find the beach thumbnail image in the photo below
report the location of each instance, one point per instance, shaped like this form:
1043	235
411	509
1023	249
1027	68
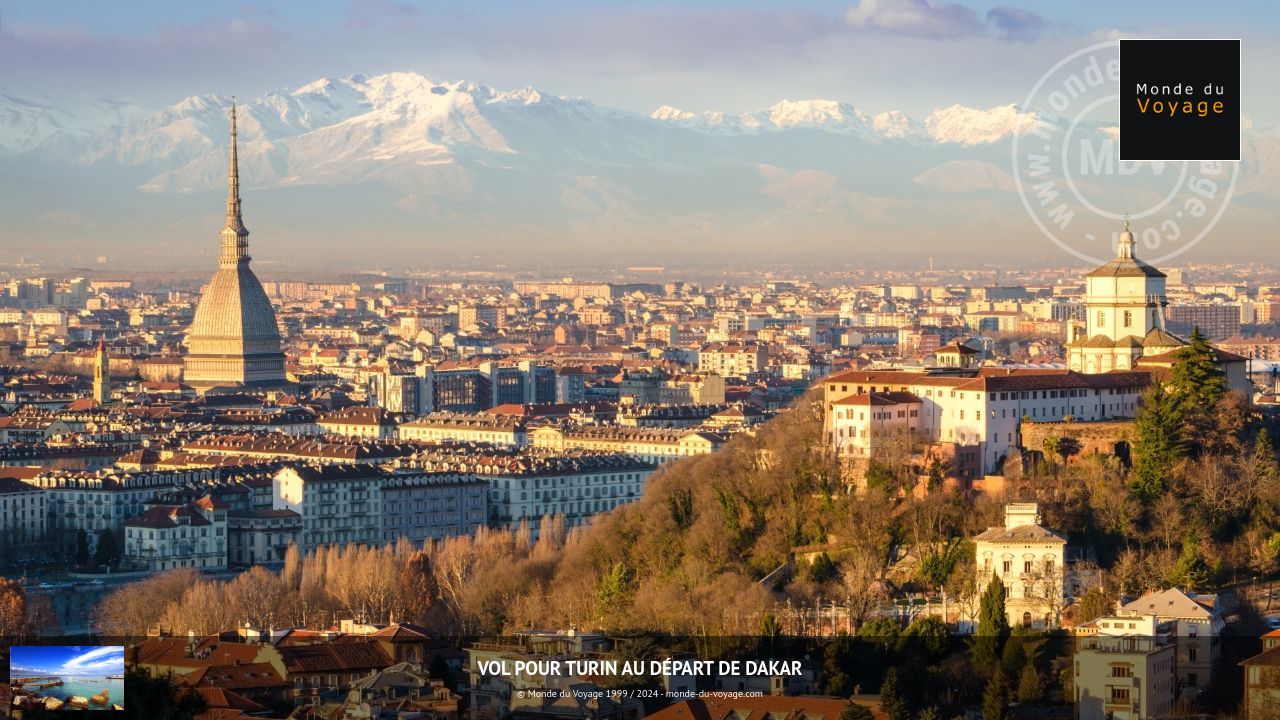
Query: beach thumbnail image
65	677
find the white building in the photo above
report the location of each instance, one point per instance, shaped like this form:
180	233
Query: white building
190	535
424	506
732	359
578	486
975	413
507	430
1124	314
22	514
1197	624
655	445
1028	559
1125	671
359	422
339	504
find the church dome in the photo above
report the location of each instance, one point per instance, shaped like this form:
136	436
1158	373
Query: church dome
1125	263
233	340
234	308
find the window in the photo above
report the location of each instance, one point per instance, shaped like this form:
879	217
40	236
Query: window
1122	671
1119	694
1128	318
1102	317
1008	565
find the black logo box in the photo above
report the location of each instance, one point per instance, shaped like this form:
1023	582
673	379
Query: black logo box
1187	68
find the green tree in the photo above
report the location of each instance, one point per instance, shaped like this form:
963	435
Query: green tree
854	711
993	624
822	570
1095	603
615	588
1051	448
1030	687
1190	571
927	635
893	699
107	552
1198	384
1195	375
836	659
1159	428
158	698
995	699
82	548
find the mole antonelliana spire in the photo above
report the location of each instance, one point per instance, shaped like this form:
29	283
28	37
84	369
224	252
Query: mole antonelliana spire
234	340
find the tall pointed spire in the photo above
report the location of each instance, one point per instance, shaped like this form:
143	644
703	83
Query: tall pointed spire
235	236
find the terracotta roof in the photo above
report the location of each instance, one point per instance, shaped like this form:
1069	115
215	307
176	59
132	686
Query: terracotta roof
326	657
1266	657
246	676
166	517
218	698
880	398
209	651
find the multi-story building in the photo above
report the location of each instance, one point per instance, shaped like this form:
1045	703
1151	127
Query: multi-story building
469	314
23	516
426	506
1255	348
733	359
975	414
99	501
649	444
339	504
1197	622
1125	671
458	387
1262	680
178	535
1030	561
359	422
1217	321
577	486
258	535
508	430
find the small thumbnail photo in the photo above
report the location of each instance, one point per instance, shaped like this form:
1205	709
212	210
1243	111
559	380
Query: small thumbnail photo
65	677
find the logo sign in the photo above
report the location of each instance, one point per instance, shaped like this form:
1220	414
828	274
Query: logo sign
1180	99
1079	191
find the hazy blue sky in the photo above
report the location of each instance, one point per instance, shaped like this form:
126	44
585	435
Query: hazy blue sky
83	660
912	55
909	55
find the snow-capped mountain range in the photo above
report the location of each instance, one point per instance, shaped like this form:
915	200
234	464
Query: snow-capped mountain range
356	128
439	160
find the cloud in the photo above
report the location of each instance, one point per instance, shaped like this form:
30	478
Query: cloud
917	18
1013	23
